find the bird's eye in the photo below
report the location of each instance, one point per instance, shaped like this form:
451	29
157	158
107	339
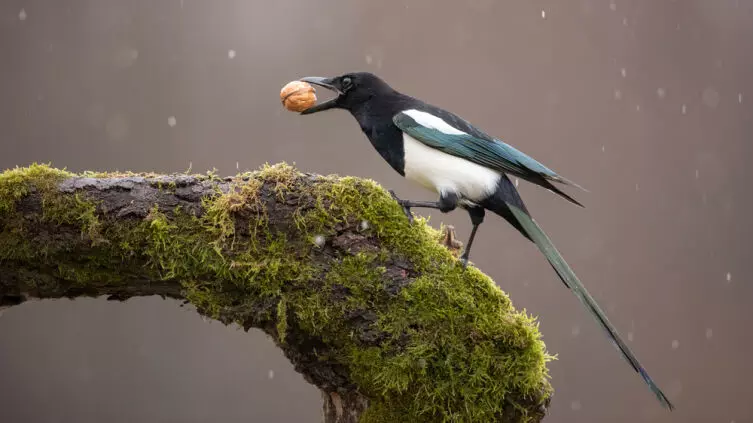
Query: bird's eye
347	82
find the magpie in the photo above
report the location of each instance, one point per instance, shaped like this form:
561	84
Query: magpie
466	167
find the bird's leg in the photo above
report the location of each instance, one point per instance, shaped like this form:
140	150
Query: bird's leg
448	201
408	204
477	217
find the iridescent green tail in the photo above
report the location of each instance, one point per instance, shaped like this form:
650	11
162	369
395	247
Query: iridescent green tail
567	275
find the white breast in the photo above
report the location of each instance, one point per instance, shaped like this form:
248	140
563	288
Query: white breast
441	172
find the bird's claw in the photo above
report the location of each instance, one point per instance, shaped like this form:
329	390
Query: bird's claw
406	209
464	259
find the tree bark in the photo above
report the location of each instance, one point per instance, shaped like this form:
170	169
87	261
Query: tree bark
373	310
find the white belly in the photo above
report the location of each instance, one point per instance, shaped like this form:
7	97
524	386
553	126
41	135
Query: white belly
441	172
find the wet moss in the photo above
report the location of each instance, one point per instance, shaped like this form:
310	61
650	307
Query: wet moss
442	345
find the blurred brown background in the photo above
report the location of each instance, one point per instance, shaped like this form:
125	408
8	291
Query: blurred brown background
647	103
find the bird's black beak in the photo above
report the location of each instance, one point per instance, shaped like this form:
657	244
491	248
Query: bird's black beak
327	83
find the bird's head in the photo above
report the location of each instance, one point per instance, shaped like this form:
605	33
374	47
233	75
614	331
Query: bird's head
352	89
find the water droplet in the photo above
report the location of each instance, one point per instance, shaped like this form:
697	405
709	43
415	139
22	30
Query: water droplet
271	374
684	109
675	344
709	333
543	14
172	121
575	405
575	330
617	94
623	72
630	336
729	277
710	97
22	15
661	92
231	54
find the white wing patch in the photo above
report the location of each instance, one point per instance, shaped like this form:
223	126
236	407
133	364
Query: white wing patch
442	172
430	121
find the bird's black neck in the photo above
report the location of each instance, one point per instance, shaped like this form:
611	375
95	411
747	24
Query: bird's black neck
375	119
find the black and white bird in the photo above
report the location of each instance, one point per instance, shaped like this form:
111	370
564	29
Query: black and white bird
464	166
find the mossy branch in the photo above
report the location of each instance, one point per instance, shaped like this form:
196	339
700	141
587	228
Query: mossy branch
374	311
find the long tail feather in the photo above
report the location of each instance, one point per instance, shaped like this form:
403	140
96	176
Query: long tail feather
571	281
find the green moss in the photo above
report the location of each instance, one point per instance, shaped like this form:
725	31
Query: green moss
447	347
282	320
17	183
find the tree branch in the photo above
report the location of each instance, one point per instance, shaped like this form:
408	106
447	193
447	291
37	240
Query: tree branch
374	311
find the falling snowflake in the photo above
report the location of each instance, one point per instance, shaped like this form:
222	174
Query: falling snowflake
231	54
661	92
369	59
319	240
364	225
575	405
684	109
613	6
675	344
740	98
603	148
543	14
172	121
22	15
517	182
709	333
624	22
617	94
729	277
638	107
271	374
697	174
637	188
630	336
575	330
623	72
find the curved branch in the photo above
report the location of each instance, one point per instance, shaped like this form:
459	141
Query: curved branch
374	311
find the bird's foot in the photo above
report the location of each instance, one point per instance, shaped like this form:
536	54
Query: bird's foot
464	259
406	209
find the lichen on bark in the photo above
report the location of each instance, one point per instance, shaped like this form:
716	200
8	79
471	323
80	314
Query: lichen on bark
373	310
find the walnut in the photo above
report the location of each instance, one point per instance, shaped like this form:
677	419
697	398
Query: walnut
298	96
